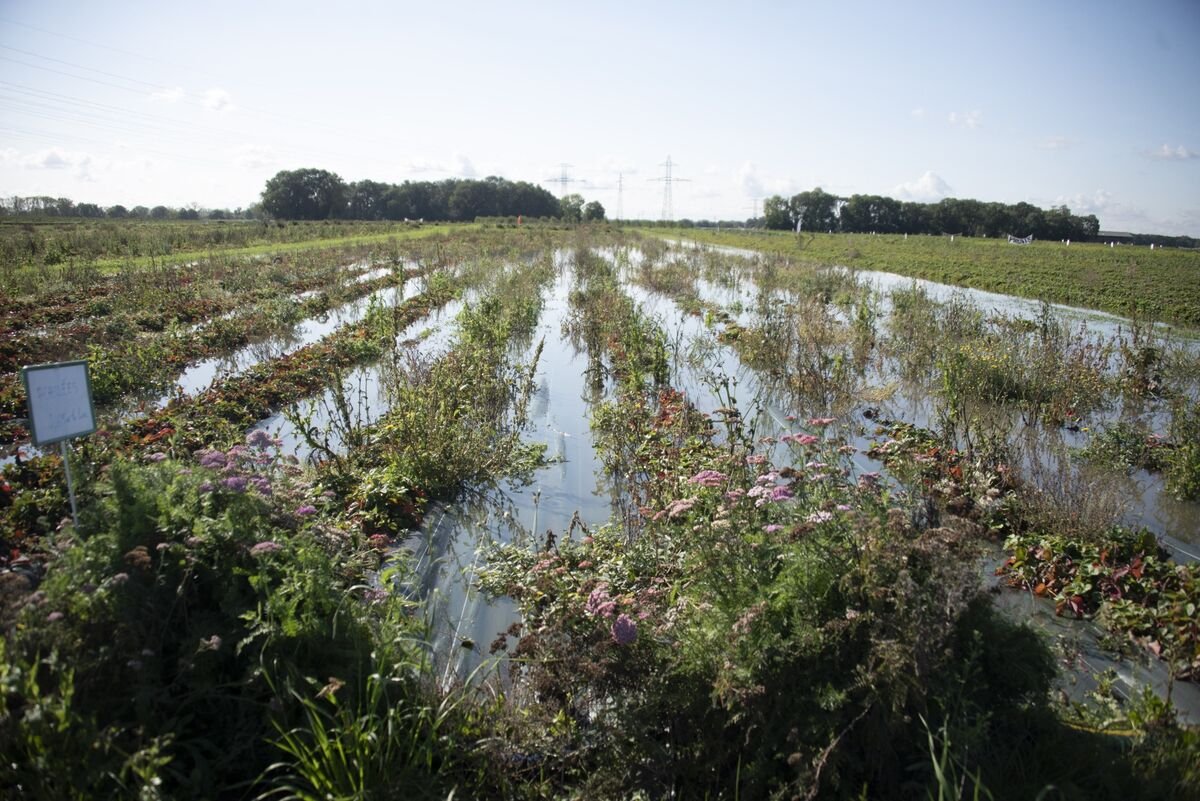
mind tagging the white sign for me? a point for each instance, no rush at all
(60, 401)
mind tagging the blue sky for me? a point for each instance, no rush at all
(1093, 104)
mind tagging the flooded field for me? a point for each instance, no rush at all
(602, 492)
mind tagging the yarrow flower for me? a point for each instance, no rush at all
(600, 603)
(156, 457)
(267, 547)
(206, 486)
(676, 508)
(624, 630)
(235, 483)
(820, 517)
(709, 478)
(820, 421)
(259, 438)
(212, 459)
(801, 439)
(261, 484)
(772, 528)
(306, 510)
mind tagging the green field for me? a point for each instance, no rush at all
(1160, 285)
(566, 512)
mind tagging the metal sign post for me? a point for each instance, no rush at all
(60, 409)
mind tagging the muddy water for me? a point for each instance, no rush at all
(1177, 523)
(201, 375)
(453, 537)
(449, 548)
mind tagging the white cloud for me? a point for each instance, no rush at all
(917, 113)
(253, 157)
(1056, 143)
(966, 119)
(463, 166)
(1082, 203)
(1113, 213)
(55, 158)
(172, 95)
(748, 179)
(928, 187)
(423, 165)
(218, 100)
(753, 183)
(1168, 153)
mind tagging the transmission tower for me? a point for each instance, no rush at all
(562, 180)
(667, 179)
(754, 209)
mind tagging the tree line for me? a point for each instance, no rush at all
(312, 194)
(62, 207)
(817, 210)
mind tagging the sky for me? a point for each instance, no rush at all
(1095, 105)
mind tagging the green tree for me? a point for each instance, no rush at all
(117, 212)
(593, 212)
(571, 207)
(777, 214)
(367, 200)
(306, 194)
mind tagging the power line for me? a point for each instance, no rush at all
(667, 180)
(562, 180)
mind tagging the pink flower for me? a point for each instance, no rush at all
(676, 508)
(306, 510)
(259, 438)
(263, 548)
(624, 630)
(600, 603)
(802, 439)
(820, 422)
(772, 528)
(709, 478)
(212, 459)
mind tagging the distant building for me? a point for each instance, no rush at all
(1123, 237)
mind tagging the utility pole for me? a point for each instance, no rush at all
(754, 210)
(667, 179)
(620, 195)
(562, 180)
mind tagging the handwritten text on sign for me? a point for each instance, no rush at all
(60, 401)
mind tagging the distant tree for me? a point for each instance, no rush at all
(471, 199)
(820, 210)
(219, 214)
(160, 213)
(117, 212)
(367, 200)
(140, 212)
(306, 194)
(593, 212)
(777, 214)
(88, 210)
(571, 207)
